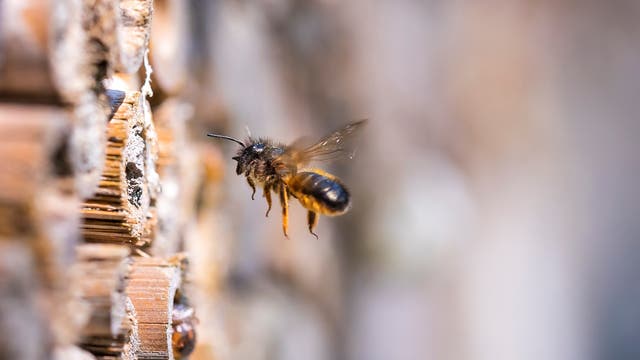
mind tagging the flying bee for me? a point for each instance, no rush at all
(282, 169)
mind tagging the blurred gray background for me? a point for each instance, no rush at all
(495, 188)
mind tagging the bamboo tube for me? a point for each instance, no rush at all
(152, 286)
(76, 61)
(46, 58)
(120, 32)
(38, 205)
(36, 189)
(100, 277)
(26, 148)
(50, 49)
(91, 39)
(24, 41)
(88, 142)
(118, 211)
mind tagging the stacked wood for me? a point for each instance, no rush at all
(38, 204)
(118, 212)
(101, 273)
(115, 35)
(38, 207)
(58, 51)
(48, 58)
(33, 153)
(152, 287)
(111, 35)
(39, 213)
(80, 165)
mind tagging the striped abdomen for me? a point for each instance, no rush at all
(320, 192)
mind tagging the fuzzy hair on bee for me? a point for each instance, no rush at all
(282, 170)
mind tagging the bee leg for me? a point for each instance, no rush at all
(253, 187)
(312, 220)
(285, 208)
(267, 195)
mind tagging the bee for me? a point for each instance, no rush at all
(282, 169)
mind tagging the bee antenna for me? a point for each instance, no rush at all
(228, 138)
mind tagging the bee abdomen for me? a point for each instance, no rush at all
(320, 193)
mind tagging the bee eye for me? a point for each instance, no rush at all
(258, 148)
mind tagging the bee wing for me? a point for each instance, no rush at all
(336, 145)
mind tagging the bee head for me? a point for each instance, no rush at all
(248, 154)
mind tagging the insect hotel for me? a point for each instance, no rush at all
(95, 204)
